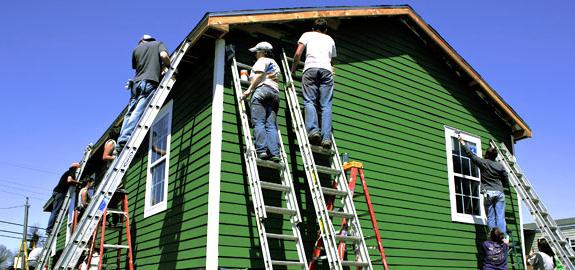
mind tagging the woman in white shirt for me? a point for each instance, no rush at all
(543, 259)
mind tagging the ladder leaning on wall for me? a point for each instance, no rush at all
(113, 177)
(256, 185)
(51, 241)
(540, 214)
(335, 172)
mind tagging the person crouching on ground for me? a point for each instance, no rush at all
(264, 102)
(495, 251)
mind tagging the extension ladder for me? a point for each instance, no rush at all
(341, 190)
(542, 218)
(51, 241)
(81, 236)
(128, 247)
(256, 185)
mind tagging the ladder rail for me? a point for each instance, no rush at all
(255, 182)
(51, 241)
(349, 206)
(324, 222)
(251, 168)
(119, 167)
(540, 214)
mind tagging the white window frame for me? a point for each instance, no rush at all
(149, 209)
(455, 216)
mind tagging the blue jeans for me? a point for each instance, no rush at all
(494, 202)
(264, 108)
(56, 205)
(141, 94)
(317, 84)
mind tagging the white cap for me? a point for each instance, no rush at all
(147, 38)
(262, 46)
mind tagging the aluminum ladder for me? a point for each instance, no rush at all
(79, 239)
(51, 241)
(341, 190)
(256, 185)
(540, 214)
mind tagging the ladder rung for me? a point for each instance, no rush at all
(341, 214)
(333, 191)
(269, 164)
(348, 238)
(327, 170)
(279, 210)
(320, 150)
(281, 236)
(354, 263)
(274, 186)
(115, 212)
(288, 263)
(116, 246)
(244, 66)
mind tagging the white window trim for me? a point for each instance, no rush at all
(455, 216)
(150, 210)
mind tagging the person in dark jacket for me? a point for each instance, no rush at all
(493, 175)
(495, 251)
(66, 180)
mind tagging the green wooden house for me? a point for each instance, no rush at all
(401, 92)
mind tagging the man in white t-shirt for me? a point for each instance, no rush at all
(317, 81)
(265, 102)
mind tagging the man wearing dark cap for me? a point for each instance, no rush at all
(149, 59)
(66, 180)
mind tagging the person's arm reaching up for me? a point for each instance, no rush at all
(477, 160)
(297, 57)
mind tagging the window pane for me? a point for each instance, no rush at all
(465, 166)
(158, 178)
(467, 204)
(474, 170)
(455, 146)
(476, 206)
(456, 164)
(459, 203)
(458, 185)
(159, 138)
(466, 187)
(474, 188)
(472, 147)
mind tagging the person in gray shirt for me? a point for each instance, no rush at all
(493, 176)
(149, 59)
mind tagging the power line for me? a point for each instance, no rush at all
(8, 236)
(20, 188)
(27, 167)
(11, 207)
(21, 225)
(25, 195)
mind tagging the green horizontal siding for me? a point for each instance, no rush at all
(393, 96)
(175, 238)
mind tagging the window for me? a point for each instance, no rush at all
(464, 181)
(158, 162)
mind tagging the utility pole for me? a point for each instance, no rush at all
(25, 234)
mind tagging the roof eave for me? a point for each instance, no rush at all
(221, 21)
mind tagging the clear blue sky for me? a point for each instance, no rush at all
(65, 64)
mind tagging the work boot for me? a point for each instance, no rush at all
(276, 159)
(326, 144)
(315, 138)
(263, 156)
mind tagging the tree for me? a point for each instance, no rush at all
(5, 256)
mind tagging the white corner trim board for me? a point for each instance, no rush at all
(215, 157)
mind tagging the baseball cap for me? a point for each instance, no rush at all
(147, 38)
(262, 46)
